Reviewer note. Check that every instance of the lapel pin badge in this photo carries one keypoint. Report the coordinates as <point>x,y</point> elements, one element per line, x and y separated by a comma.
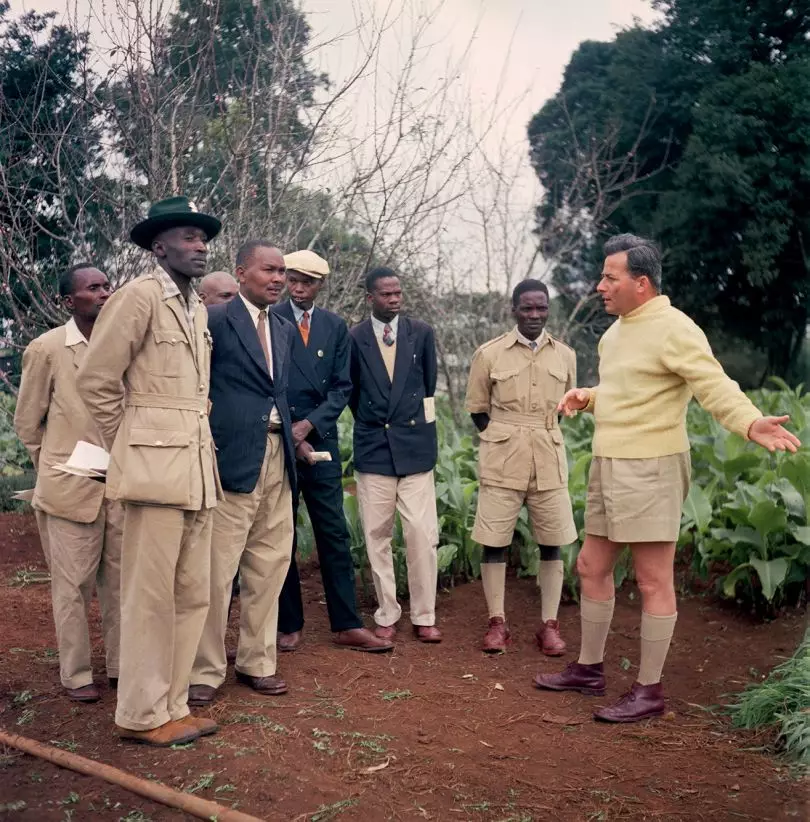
<point>320,352</point>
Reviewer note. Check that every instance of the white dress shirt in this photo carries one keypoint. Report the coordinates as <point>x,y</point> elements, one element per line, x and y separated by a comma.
<point>534,345</point>
<point>298,313</point>
<point>275,417</point>
<point>379,327</point>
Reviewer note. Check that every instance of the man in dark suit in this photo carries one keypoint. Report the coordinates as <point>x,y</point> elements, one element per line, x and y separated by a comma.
<point>318,390</point>
<point>393,371</point>
<point>252,430</point>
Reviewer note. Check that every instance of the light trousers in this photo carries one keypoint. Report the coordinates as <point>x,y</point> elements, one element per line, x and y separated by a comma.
<point>254,534</point>
<point>379,498</point>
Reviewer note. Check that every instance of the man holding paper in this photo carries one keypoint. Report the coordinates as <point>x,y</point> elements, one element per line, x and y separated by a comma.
<point>81,534</point>
<point>144,381</point>
<point>318,390</point>
<point>393,370</point>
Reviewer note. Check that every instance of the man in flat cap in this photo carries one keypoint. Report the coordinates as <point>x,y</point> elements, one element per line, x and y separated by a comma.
<point>144,381</point>
<point>318,391</point>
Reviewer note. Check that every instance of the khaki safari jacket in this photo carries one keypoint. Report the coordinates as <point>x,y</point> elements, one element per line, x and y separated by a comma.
<point>520,389</point>
<point>51,418</point>
<point>144,381</point>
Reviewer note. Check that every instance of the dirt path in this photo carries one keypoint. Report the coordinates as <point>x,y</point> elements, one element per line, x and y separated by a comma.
<point>438,733</point>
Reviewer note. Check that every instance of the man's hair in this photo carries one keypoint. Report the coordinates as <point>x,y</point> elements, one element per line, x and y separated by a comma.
<point>524,287</point>
<point>379,273</point>
<point>246,250</point>
<point>643,256</point>
<point>66,280</point>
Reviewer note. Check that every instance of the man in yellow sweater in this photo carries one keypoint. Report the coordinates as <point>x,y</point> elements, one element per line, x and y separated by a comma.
<point>652,361</point>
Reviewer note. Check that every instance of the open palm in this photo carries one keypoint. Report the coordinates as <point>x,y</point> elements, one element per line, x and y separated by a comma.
<point>771,434</point>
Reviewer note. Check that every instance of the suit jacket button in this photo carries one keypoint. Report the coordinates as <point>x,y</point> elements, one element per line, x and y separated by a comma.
<point>412,422</point>
<point>265,418</point>
<point>323,381</point>
<point>387,426</point>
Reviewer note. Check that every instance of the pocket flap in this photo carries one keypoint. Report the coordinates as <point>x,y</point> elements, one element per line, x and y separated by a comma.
<point>557,437</point>
<point>558,374</point>
<point>169,335</point>
<point>159,438</point>
<point>499,376</point>
<point>488,435</point>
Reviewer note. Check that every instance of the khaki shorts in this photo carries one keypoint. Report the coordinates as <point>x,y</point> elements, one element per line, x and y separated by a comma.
<point>637,500</point>
<point>550,516</point>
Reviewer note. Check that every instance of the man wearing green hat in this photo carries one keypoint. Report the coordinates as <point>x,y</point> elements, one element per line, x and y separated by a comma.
<point>144,381</point>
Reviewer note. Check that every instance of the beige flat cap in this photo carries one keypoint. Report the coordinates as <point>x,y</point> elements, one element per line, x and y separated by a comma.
<point>307,262</point>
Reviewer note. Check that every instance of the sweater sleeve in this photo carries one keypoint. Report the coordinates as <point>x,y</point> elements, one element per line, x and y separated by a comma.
<point>688,354</point>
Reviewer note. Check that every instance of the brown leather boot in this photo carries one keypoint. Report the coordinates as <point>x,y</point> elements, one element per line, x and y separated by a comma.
<point>173,732</point>
<point>549,639</point>
<point>206,727</point>
<point>87,693</point>
<point>640,702</point>
<point>497,637</point>
<point>289,642</point>
<point>587,679</point>
<point>201,696</point>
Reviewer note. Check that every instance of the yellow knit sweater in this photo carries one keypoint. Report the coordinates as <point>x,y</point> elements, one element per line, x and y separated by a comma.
<point>651,362</point>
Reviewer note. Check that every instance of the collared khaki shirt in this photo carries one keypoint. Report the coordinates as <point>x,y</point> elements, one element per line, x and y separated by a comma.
<point>520,388</point>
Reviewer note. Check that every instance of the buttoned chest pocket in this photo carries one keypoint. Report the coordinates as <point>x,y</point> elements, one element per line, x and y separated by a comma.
<point>505,385</point>
<point>558,378</point>
<point>173,353</point>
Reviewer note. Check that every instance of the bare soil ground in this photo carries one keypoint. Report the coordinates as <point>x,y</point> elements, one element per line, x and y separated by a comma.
<point>439,732</point>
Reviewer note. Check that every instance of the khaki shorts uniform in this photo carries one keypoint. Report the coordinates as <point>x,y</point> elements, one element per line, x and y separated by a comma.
<point>522,457</point>
<point>637,500</point>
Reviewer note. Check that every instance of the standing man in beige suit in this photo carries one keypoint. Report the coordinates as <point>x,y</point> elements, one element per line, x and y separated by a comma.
<point>144,381</point>
<point>82,532</point>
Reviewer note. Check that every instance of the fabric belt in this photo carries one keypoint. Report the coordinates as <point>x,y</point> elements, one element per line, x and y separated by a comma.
<point>142,400</point>
<point>547,421</point>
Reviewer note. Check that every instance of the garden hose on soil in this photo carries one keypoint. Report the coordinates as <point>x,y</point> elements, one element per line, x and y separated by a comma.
<point>194,805</point>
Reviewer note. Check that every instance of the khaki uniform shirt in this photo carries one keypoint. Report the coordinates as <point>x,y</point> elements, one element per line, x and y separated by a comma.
<point>145,381</point>
<point>520,389</point>
<point>51,418</point>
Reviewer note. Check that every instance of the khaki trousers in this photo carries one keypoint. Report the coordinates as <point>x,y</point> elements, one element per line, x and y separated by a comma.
<point>165,570</point>
<point>82,556</point>
<point>254,534</point>
<point>379,498</point>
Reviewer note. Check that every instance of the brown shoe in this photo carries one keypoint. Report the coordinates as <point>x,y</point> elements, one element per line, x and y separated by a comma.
<point>173,732</point>
<point>288,642</point>
<point>427,633</point>
<point>497,637</point>
<point>265,685</point>
<point>587,679</point>
<point>387,632</point>
<point>201,696</point>
<point>204,726</point>
<point>361,639</point>
<point>87,693</point>
<point>640,702</point>
<point>549,639</point>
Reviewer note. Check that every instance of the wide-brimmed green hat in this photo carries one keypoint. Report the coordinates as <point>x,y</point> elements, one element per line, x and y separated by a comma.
<point>171,213</point>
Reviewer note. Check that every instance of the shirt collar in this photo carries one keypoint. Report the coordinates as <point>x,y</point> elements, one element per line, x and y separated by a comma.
<point>253,310</point>
<point>379,326</point>
<point>299,312</point>
<point>543,339</point>
<point>170,290</point>
<point>73,336</point>
<point>650,307</point>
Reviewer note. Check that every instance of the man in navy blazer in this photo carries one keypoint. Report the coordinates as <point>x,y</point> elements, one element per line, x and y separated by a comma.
<point>251,426</point>
<point>318,390</point>
<point>393,372</point>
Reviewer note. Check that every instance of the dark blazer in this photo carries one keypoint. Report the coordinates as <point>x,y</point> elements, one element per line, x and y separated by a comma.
<point>319,380</point>
<point>242,393</point>
<point>391,435</point>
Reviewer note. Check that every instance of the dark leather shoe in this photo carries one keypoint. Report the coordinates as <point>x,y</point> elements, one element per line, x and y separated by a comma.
<point>587,679</point>
<point>289,642</point>
<point>201,696</point>
<point>113,682</point>
<point>361,639</point>
<point>427,633</point>
<point>265,685</point>
<point>497,637</point>
<point>230,656</point>
<point>87,693</point>
<point>549,639</point>
<point>640,702</point>
<point>387,632</point>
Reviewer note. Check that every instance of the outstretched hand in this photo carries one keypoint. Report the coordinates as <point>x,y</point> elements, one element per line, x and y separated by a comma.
<point>575,400</point>
<point>770,433</point>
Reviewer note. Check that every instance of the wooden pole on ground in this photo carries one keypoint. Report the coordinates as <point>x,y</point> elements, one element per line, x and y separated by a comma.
<point>195,805</point>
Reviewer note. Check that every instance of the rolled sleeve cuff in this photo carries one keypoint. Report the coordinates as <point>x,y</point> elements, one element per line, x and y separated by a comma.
<point>588,409</point>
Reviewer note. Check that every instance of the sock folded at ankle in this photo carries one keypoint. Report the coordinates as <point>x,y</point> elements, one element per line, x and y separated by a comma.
<point>656,635</point>
<point>493,576</point>
<point>550,577</point>
<point>595,616</point>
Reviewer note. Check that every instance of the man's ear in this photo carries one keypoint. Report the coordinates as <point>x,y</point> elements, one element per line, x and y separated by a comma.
<point>67,301</point>
<point>157,248</point>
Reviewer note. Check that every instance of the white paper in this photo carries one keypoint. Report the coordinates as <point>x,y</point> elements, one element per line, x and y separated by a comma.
<point>429,404</point>
<point>321,456</point>
<point>87,460</point>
